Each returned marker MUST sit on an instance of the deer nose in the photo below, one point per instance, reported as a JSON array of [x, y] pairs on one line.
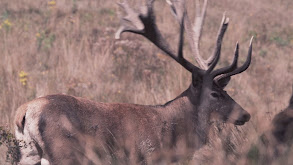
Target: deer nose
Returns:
[[246, 117]]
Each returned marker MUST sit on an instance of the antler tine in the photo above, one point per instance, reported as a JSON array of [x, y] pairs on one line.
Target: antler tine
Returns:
[[172, 7], [181, 39], [243, 67], [229, 68], [217, 52], [195, 33], [198, 22], [224, 24], [179, 12], [178, 9], [145, 24], [131, 22]]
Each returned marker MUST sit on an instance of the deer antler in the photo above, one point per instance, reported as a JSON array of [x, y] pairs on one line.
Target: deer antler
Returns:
[[197, 29], [131, 22], [194, 36], [144, 23], [194, 33], [237, 70], [230, 68]]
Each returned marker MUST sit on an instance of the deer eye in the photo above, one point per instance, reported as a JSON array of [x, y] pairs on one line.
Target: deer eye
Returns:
[[215, 94]]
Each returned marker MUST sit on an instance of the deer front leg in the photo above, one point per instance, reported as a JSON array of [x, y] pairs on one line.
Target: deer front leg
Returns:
[[28, 150]]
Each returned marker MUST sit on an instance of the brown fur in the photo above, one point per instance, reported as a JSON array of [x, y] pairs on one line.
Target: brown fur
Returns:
[[275, 145], [20, 116], [68, 129]]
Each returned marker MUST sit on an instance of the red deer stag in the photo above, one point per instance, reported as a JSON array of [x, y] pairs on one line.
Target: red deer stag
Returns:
[[275, 146], [71, 130], [283, 124]]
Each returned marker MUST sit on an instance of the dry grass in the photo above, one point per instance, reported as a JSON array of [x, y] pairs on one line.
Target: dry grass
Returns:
[[70, 48]]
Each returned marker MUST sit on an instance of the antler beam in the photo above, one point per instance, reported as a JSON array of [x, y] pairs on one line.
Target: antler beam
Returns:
[[144, 23]]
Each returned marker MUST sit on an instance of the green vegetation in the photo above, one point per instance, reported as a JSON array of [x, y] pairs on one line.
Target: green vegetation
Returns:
[[11, 145], [45, 40], [279, 40], [253, 155]]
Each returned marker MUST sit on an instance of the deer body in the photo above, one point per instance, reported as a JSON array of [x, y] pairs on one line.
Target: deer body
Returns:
[[109, 129], [275, 144], [62, 129], [107, 132]]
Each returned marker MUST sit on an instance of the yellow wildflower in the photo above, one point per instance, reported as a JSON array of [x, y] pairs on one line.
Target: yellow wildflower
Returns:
[[23, 77], [22, 74], [23, 81], [38, 35], [72, 20], [162, 56], [52, 3], [7, 23]]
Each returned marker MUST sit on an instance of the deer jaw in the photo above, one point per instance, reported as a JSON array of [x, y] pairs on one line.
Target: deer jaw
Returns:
[[222, 107]]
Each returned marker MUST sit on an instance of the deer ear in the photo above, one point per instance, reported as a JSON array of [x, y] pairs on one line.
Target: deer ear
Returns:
[[291, 100], [223, 82], [196, 78]]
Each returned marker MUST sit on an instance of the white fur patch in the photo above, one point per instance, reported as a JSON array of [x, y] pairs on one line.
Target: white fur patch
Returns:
[[31, 134]]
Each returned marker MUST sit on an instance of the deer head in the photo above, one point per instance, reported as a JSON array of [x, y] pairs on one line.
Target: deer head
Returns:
[[207, 88]]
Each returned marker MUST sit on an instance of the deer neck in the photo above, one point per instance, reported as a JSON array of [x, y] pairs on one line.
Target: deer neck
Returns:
[[184, 104], [183, 111]]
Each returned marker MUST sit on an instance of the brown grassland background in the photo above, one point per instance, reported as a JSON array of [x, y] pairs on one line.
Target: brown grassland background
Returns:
[[68, 46]]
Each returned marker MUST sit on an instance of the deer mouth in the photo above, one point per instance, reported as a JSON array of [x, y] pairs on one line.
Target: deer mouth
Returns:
[[235, 121], [239, 122], [240, 119], [245, 118]]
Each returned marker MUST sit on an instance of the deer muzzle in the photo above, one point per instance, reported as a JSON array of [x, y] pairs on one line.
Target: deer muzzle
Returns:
[[243, 119], [238, 116]]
